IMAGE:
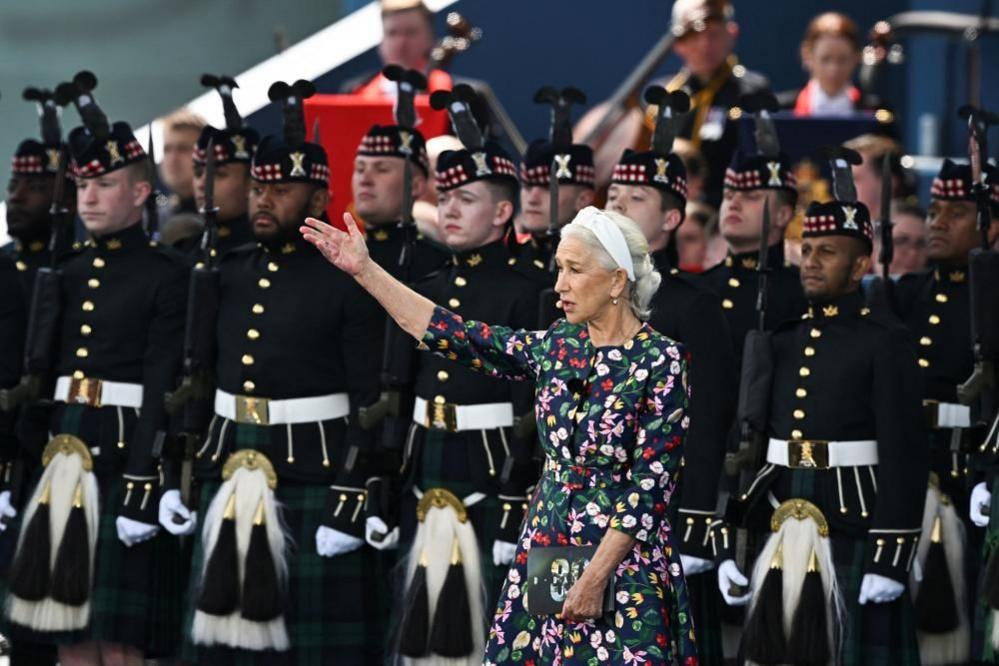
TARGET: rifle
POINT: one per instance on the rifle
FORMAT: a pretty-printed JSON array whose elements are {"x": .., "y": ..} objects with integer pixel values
[
  {"x": 408, "y": 82},
  {"x": 984, "y": 275},
  {"x": 192, "y": 399},
  {"x": 887, "y": 254},
  {"x": 152, "y": 210},
  {"x": 753, "y": 409},
  {"x": 46, "y": 297},
  {"x": 398, "y": 369}
]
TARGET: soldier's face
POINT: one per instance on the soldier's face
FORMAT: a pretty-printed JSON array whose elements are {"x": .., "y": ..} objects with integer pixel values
[
  {"x": 232, "y": 185},
  {"x": 470, "y": 216},
  {"x": 111, "y": 202},
  {"x": 278, "y": 209},
  {"x": 584, "y": 286},
  {"x": 951, "y": 230},
  {"x": 741, "y": 218},
  {"x": 832, "y": 266},
  {"x": 535, "y": 205},
  {"x": 377, "y": 186},
  {"x": 28, "y": 201},
  {"x": 644, "y": 205}
]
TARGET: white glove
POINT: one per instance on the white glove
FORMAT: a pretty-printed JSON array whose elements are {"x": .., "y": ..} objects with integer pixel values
[
  {"x": 695, "y": 565},
  {"x": 980, "y": 495},
  {"x": 131, "y": 532},
  {"x": 330, "y": 542},
  {"x": 729, "y": 575},
  {"x": 879, "y": 590},
  {"x": 375, "y": 525},
  {"x": 503, "y": 552},
  {"x": 171, "y": 507},
  {"x": 7, "y": 511}
]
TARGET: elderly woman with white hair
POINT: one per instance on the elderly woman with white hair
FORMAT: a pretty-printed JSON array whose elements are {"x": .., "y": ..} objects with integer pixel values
[{"x": 596, "y": 576}]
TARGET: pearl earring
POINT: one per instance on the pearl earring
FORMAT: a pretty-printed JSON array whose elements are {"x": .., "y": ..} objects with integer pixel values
[{"x": 614, "y": 300}]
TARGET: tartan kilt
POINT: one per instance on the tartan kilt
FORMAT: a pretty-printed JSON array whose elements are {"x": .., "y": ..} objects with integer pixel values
[
  {"x": 448, "y": 460},
  {"x": 873, "y": 633},
  {"x": 335, "y": 609},
  {"x": 705, "y": 609},
  {"x": 137, "y": 592},
  {"x": 981, "y": 645}
]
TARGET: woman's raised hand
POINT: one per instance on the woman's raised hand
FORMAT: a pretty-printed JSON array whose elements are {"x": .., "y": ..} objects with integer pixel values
[{"x": 345, "y": 250}]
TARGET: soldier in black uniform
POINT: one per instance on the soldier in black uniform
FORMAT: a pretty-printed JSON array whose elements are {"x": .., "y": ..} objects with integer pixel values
[
  {"x": 935, "y": 306},
  {"x": 108, "y": 595},
  {"x": 29, "y": 200},
  {"x": 650, "y": 188},
  {"x": 461, "y": 455},
  {"x": 234, "y": 147},
  {"x": 705, "y": 33},
  {"x": 377, "y": 187},
  {"x": 298, "y": 353},
  {"x": 576, "y": 176},
  {"x": 749, "y": 182},
  {"x": 841, "y": 488}
]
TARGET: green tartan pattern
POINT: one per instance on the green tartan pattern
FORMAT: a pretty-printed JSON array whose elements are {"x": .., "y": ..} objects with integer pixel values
[
  {"x": 137, "y": 594},
  {"x": 442, "y": 463},
  {"x": 335, "y": 610},
  {"x": 981, "y": 645},
  {"x": 705, "y": 611},
  {"x": 872, "y": 633}
]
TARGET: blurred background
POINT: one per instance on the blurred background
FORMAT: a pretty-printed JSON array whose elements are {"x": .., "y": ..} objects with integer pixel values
[{"x": 149, "y": 54}]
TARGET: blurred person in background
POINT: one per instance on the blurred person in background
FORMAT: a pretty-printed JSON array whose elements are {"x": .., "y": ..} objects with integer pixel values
[
  {"x": 830, "y": 54},
  {"x": 181, "y": 130},
  {"x": 693, "y": 237}
]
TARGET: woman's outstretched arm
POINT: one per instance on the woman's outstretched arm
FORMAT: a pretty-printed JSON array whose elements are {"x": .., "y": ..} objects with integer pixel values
[{"x": 348, "y": 252}]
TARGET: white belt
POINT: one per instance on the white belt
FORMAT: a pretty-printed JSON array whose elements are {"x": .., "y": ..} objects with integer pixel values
[
  {"x": 814, "y": 454},
  {"x": 456, "y": 418},
  {"x": 951, "y": 415},
  {"x": 98, "y": 392},
  {"x": 263, "y": 411}
]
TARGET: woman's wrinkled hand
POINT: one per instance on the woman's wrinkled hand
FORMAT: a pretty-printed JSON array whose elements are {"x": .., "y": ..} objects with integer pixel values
[
  {"x": 345, "y": 250},
  {"x": 585, "y": 599}
]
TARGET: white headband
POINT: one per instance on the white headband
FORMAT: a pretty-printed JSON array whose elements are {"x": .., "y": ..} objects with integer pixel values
[{"x": 610, "y": 236}]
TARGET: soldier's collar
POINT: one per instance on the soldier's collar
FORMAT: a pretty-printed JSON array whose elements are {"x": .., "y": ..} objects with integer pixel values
[
  {"x": 493, "y": 254},
  {"x": 382, "y": 233},
  {"x": 284, "y": 247},
  {"x": 750, "y": 260},
  {"x": 953, "y": 273},
  {"x": 847, "y": 305},
  {"x": 130, "y": 237}
]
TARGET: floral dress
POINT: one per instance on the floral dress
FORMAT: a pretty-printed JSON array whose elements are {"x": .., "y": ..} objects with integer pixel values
[{"x": 612, "y": 422}]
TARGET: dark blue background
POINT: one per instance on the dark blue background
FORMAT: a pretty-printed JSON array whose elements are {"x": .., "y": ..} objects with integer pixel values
[{"x": 593, "y": 44}]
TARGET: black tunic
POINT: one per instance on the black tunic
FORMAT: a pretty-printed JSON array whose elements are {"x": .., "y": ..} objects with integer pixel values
[
  {"x": 845, "y": 373},
  {"x": 123, "y": 320},
  {"x": 690, "y": 314}
]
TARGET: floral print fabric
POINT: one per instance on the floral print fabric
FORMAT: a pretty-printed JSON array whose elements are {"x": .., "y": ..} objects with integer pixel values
[{"x": 612, "y": 422}]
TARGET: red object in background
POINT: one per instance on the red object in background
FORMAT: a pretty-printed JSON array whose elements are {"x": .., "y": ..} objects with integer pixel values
[{"x": 343, "y": 121}]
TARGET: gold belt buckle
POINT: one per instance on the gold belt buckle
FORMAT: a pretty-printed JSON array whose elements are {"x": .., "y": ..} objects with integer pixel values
[
  {"x": 807, "y": 454},
  {"x": 85, "y": 391},
  {"x": 932, "y": 409},
  {"x": 442, "y": 416},
  {"x": 252, "y": 410}
]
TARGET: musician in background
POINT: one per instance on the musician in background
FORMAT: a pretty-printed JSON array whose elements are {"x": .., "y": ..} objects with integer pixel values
[
  {"x": 407, "y": 40},
  {"x": 705, "y": 38},
  {"x": 830, "y": 53}
]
